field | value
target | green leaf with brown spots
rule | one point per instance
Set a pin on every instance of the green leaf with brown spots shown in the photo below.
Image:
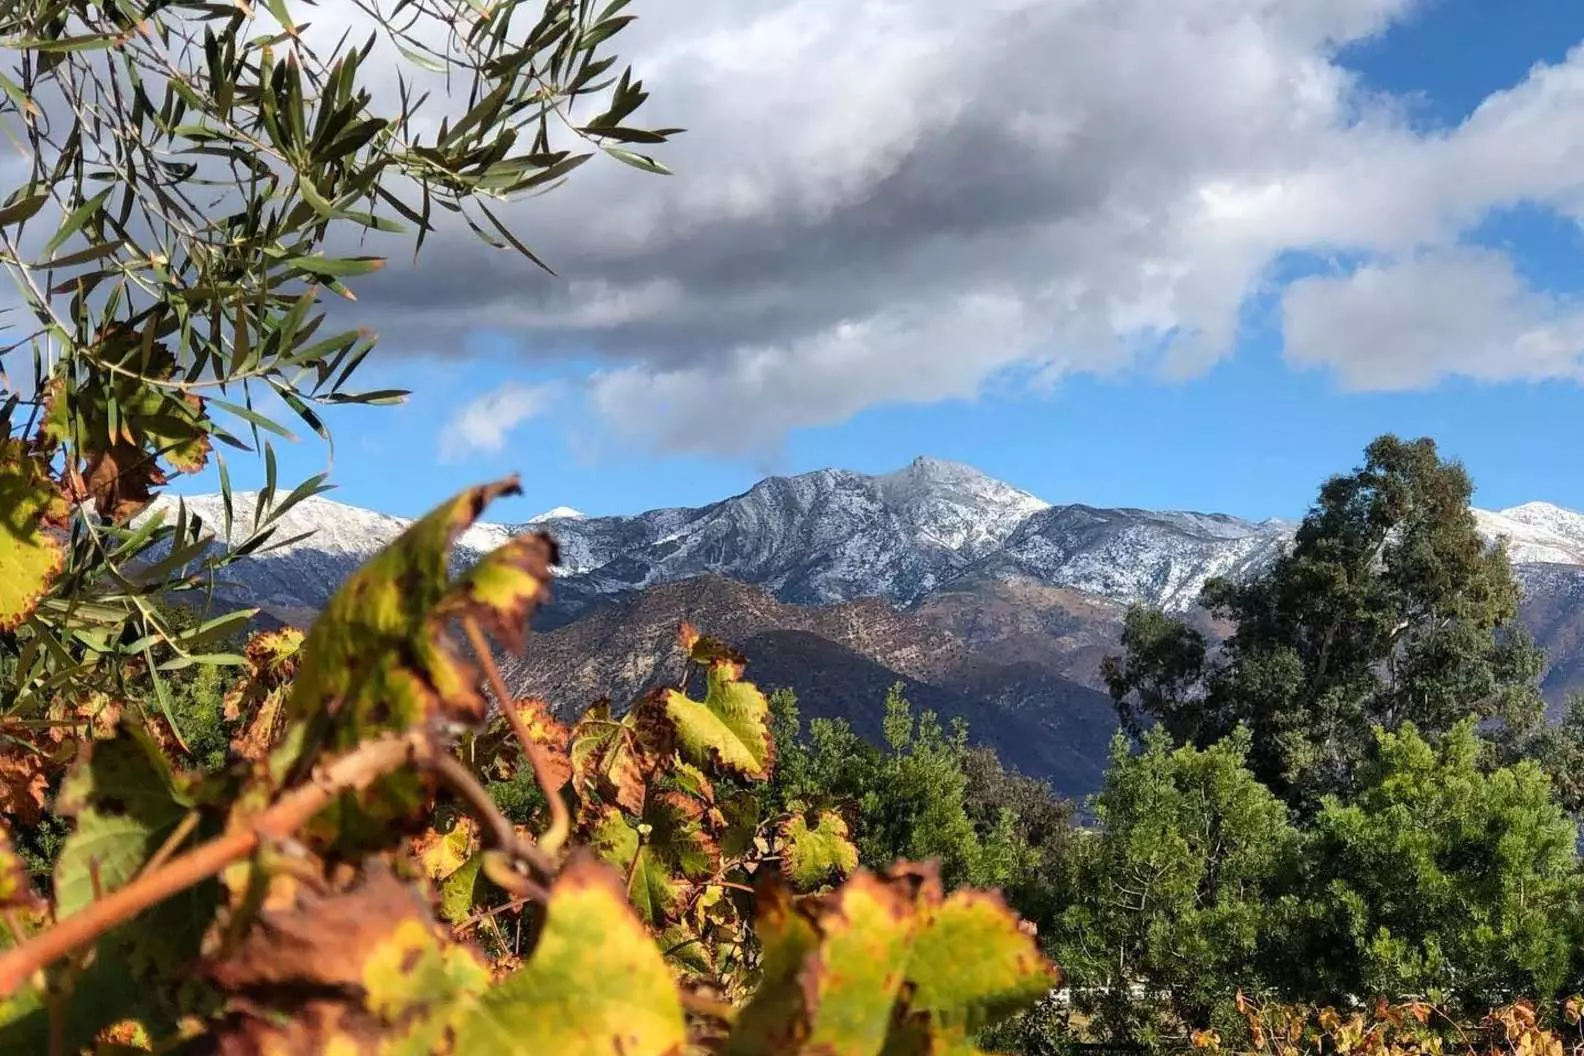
(659, 853)
(867, 928)
(30, 557)
(729, 729)
(813, 857)
(421, 988)
(973, 965)
(596, 984)
(653, 890)
(125, 802)
(776, 1017)
(834, 968)
(459, 890)
(376, 657)
(380, 658)
(505, 586)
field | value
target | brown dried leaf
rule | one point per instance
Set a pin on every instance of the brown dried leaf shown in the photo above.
(24, 781)
(322, 939)
(263, 730)
(363, 969)
(608, 759)
(119, 481)
(551, 735)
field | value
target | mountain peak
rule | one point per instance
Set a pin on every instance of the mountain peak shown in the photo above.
(559, 513)
(1541, 513)
(930, 468)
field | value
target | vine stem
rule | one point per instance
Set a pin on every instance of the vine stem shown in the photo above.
(455, 774)
(293, 810)
(552, 839)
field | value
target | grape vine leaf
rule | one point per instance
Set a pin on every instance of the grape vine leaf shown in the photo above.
(608, 760)
(547, 732)
(852, 980)
(886, 965)
(775, 1019)
(259, 696)
(658, 854)
(380, 657)
(729, 729)
(359, 969)
(441, 854)
(813, 857)
(502, 589)
(24, 780)
(377, 657)
(458, 891)
(30, 556)
(595, 985)
(972, 965)
(834, 968)
(126, 801)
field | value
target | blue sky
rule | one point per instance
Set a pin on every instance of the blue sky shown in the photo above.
(1252, 433)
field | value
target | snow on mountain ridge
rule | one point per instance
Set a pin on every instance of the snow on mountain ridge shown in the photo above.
(835, 535)
(560, 513)
(1537, 533)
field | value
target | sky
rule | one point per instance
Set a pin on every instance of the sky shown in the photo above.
(1185, 254)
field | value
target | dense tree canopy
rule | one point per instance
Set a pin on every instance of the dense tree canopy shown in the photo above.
(925, 794)
(1388, 608)
(1174, 895)
(1442, 879)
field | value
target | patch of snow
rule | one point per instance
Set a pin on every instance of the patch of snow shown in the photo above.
(560, 513)
(833, 535)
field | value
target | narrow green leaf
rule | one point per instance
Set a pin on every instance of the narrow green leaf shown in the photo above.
(636, 160)
(337, 266)
(421, 60)
(79, 216)
(21, 209)
(84, 256)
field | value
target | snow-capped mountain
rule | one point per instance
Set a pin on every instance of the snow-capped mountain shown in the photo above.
(1136, 555)
(988, 601)
(1537, 533)
(833, 536)
(315, 545)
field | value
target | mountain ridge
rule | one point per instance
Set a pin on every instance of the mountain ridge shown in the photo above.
(834, 535)
(984, 600)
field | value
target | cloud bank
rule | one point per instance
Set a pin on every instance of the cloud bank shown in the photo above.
(902, 200)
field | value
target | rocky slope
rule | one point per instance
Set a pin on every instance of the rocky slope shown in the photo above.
(840, 660)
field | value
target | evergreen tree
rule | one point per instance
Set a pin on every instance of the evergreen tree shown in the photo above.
(1388, 608)
(910, 799)
(1443, 880)
(1177, 896)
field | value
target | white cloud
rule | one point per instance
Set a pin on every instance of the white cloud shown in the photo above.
(481, 427)
(1409, 323)
(904, 200)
